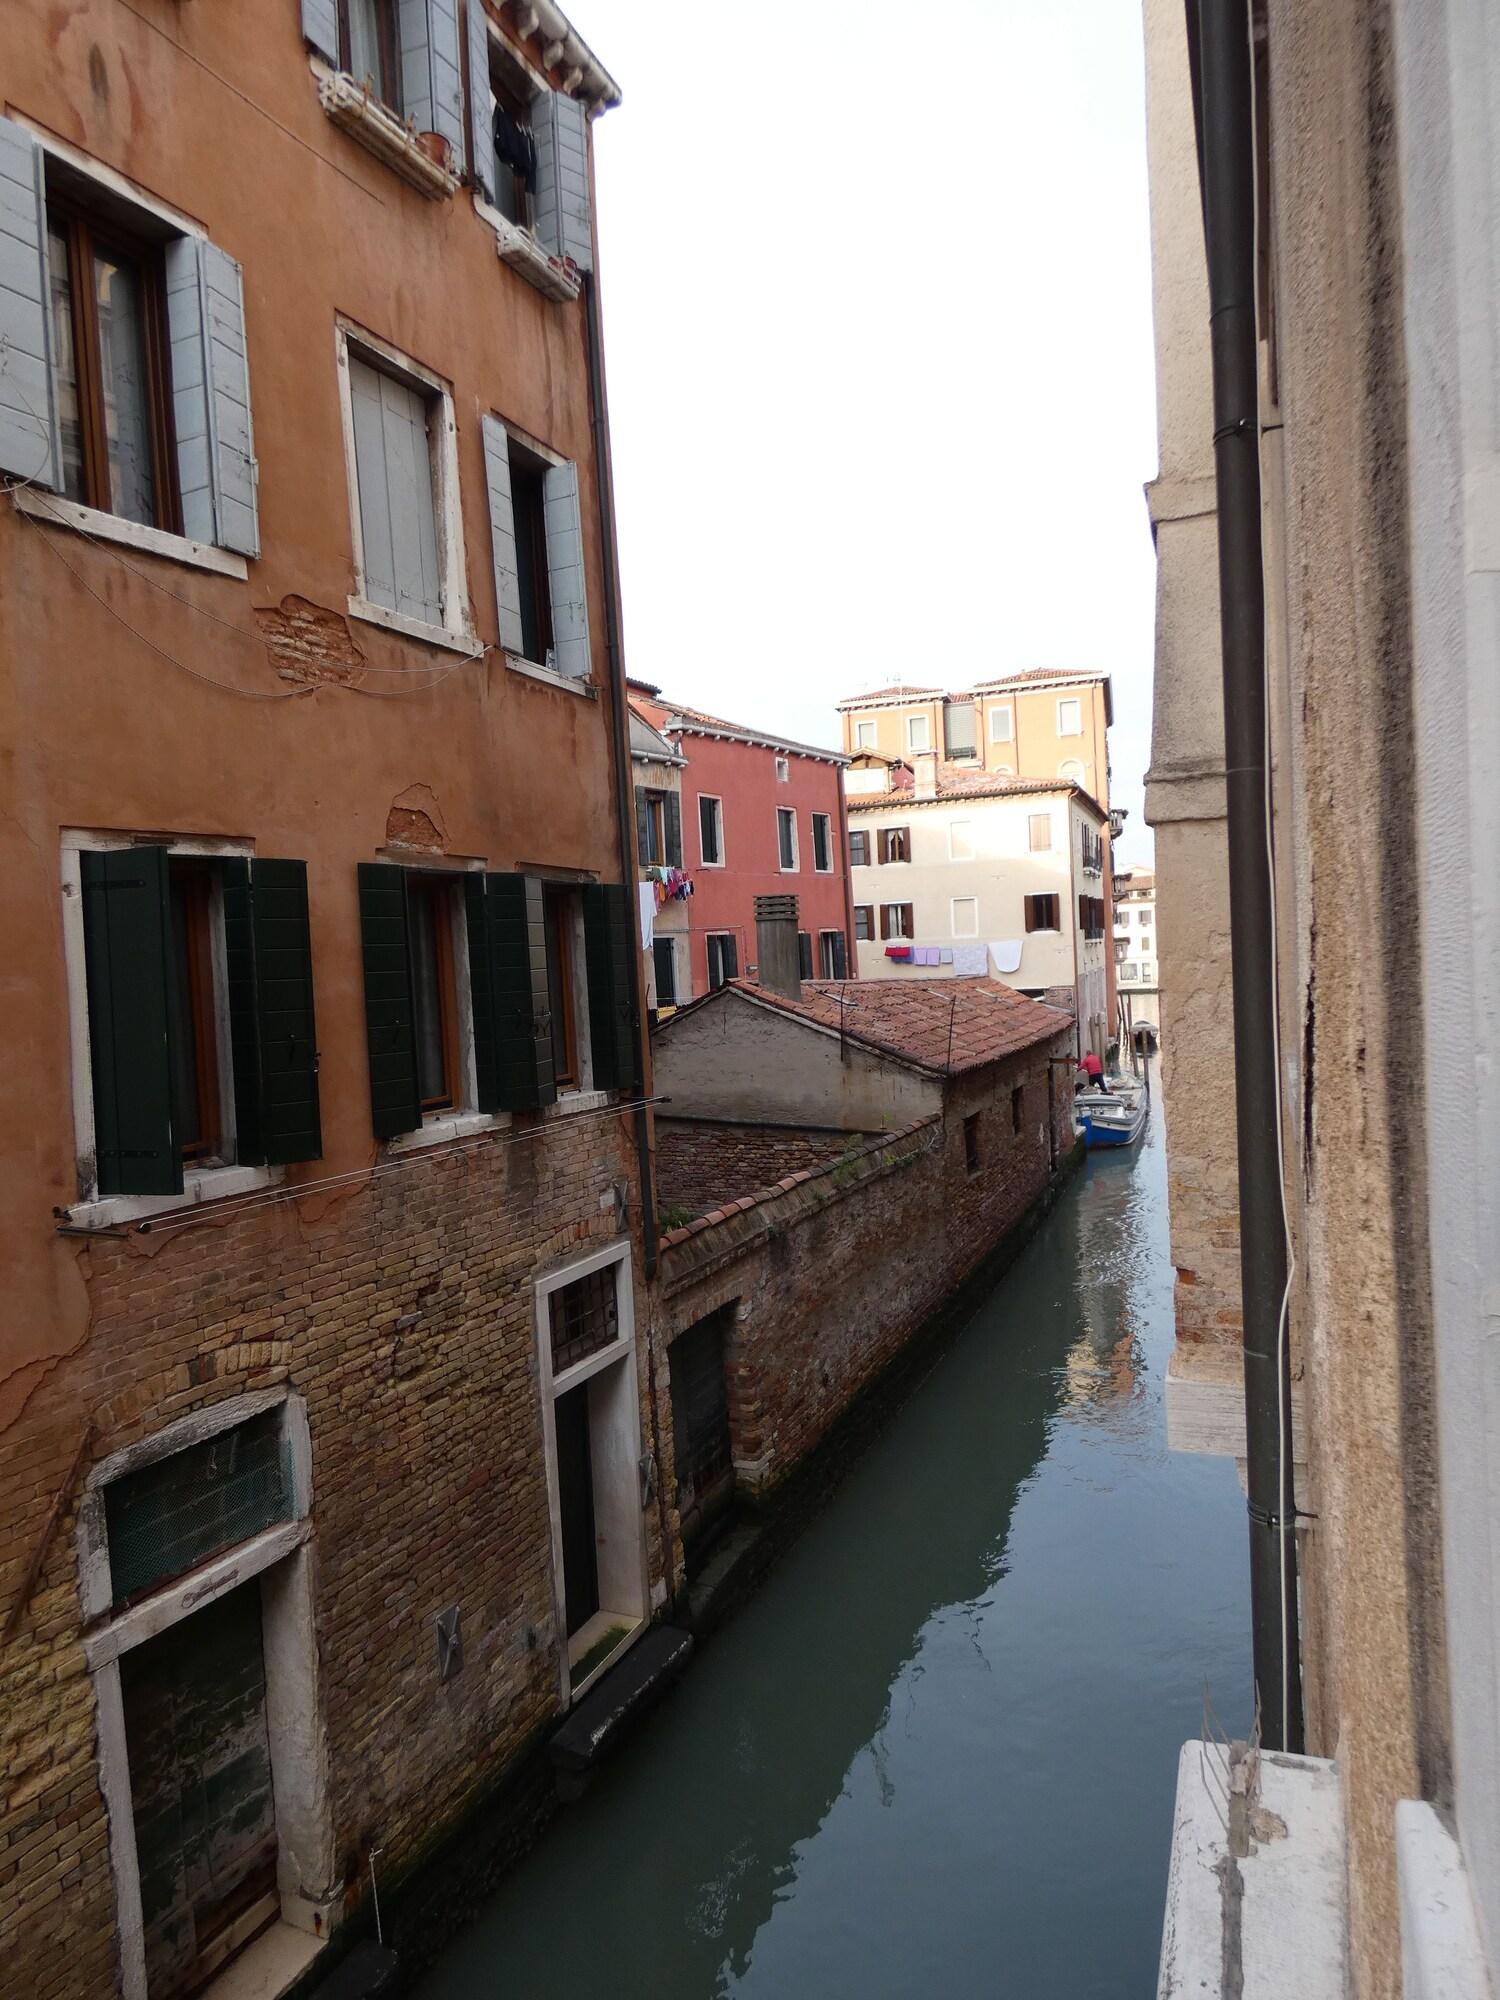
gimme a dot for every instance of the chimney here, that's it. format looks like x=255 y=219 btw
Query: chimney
x=924 y=765
x=776 y=945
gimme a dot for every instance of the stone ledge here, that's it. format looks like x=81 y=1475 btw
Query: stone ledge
x=1442 y=1957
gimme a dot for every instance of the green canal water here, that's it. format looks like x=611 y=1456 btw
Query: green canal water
x=936 y=1754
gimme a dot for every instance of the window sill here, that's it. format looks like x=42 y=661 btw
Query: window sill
x=568 y=1103
x=44 y=506
x=269 y=1967
x=199 y=1185
x=569 y=683
x=517 y=247
x=443 y=1129
x=354 y=111
x=415 y=628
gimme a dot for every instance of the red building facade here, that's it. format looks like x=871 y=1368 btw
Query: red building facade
x=761 y=816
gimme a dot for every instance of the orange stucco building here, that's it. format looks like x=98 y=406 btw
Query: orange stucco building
x=320 y=1185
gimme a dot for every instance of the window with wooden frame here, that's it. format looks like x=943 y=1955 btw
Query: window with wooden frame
x=1042 y=913
x=515 y=147
x=859 y=848
x=864 y=922
x=654 y=829
x=723 y=958
x=110 y=366
x=197 y=1080
x=822 y=836
x=832 y=956
x=561 y=907
x=711 y=831
x=896 y=920
x=431 y=916
x=1039 y=832
x=971 y=1143
x=894 y=843
x=528 y=477
x=786 y=839
x=370 y=48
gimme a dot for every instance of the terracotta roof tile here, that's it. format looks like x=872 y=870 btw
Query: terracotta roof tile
x=955 y=781
x=940 y=1024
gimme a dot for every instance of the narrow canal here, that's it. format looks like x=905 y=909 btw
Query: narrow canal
x=936 y=1754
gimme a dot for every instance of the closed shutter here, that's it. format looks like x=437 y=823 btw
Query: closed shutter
x=642 y=826
x=393 y=470
x=266 y=907
x=390 y=1013
x=672 y=806
x=28 y=413
x=559 y=126
x=481 y=995
x=519 y=1004
x=481 y=103
x=503 y=531
x=570 y=611
x=839 y=954
x=609 y=948
x=804 y=954
x=320 y=28
x=432 y=95
x=216 y=468
x=127 y=952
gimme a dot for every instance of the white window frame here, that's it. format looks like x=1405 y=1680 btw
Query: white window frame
x=708 y=938
x=866 y=733
x=913 y=722
x=199 y=1183
x=626 y=1517
x=307 y=1882
x=1071 y=765
x=456 y=633
x=827 y=866
x=966 y=828
x=1073 y=701
x=783 y=770
x=713 y=799
x=1002 y=712
x=1048 y=846
x=973 y=903
x=786 y=815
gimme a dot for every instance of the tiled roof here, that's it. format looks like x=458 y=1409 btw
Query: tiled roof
x=957 y=781
x=1069 y=676
x=665 y=715
x=901 y=693
x=939 y=1024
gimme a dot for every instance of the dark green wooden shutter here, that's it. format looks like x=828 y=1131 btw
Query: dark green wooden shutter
x=390 y=1014
x=291 y=1128
x=804 y=955
x=244 y=1012
x=672 y=805
x=524 y=1075
x=609 y=944
x=127 y=923
x=481 y=995
x=642 y=826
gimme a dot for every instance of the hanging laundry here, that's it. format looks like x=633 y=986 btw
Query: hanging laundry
x=648 y=914
x=898 y=951
x=945 y=957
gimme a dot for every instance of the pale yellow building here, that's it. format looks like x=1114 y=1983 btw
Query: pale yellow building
x=957 y=871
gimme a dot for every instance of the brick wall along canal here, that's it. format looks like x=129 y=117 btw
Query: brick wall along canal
x=936 y=1754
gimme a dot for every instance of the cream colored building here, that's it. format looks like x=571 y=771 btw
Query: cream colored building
x=1378 y=241
x=973 y=873
x=1135 y=948
x=656 y=770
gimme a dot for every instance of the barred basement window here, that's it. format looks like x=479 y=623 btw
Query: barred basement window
x=178 y=1511
x=584 y=1318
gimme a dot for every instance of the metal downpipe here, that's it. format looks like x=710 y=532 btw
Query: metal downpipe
x=1228 y=154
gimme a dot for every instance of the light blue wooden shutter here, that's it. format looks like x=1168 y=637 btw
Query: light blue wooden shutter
x=393 y=471
x=432 y=91
x=216 y=467
x=570 y=610
x=320 y=27
x=559 y=126
x=503 y=533
x=28 y=413
x=481 y=104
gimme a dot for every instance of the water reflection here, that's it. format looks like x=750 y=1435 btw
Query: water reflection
x=936 y=1753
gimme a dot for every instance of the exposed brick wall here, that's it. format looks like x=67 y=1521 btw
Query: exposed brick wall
x=701 y=1164
x=835 y=1271
x=402 y=1311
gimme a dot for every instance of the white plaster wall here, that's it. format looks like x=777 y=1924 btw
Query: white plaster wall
x=1448 y=93
x=733 y=1058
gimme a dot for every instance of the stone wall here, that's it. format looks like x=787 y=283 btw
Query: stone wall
x=400 y=1308
x=833 y=1272
x=701 y=1164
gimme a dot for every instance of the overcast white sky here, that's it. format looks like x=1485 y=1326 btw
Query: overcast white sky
x=876 y=284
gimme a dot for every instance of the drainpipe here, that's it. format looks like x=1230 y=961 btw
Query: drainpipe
x=619 y=714
x=1228 y=157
